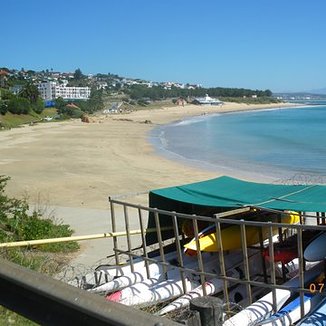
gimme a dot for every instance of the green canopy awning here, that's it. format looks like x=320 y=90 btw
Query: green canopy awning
x=233 y=193
x=226 y=193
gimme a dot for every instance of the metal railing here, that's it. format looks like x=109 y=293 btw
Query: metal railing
x=50 y=302
x=271 y=278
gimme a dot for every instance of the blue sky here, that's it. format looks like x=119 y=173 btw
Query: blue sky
x=264 y=44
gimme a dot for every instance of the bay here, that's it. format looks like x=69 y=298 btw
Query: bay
x=277 y=142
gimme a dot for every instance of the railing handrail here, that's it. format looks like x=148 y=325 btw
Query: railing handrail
x=51 y=302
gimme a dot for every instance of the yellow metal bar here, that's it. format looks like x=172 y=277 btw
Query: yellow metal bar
x=74 y=238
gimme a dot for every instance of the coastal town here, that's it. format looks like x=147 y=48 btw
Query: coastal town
x=77 y=86
x=163 y=163
x=146 y=223
x=33 y=96
x=48 y=80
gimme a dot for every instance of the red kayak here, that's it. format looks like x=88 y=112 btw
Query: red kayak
x=282 y=255
x=287 y=250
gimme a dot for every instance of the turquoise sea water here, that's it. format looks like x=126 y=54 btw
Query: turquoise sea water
x=277 y=142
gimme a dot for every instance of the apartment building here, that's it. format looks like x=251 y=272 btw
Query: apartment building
x=51 y=90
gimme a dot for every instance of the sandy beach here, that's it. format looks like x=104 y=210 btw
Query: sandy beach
x=79 y=164
x=74 y=166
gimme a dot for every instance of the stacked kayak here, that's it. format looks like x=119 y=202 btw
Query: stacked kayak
x=262 y=309
x=231 y=236
x=289 y=305
x=317 y=316
x=136 y=288
x=142 y=284
x=291 y=312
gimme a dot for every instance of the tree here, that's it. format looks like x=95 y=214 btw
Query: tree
x=3 y=107
x=60 y=105
x=78 y=74
x=38 y=107
x=94 y=103
x=19 y=105
x=30 y=92
x=6 y=95
x=268 y=93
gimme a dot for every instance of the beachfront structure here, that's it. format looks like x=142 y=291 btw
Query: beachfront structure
x=207 y=100
x=51 y=90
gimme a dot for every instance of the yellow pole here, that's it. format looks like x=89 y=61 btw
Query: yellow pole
x=74 y=238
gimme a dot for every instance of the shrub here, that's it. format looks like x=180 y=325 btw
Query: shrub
x=17 y=225
x=142 y=102
x=19 y=105
x=3 y=107
x=38 y=106
x=75 y=113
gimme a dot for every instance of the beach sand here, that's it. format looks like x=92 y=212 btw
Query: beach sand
x=79 y=164
x=74 y=166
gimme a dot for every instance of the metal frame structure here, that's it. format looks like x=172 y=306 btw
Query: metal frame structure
x=48 y=301
x=270 y=282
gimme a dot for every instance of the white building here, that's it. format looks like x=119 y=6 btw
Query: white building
x=207 y=100
x=52 y=90
x=101 y=85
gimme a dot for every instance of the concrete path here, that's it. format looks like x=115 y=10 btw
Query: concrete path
x=85 y=221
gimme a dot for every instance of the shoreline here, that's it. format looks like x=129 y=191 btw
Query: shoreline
x=242 y=171
x=178 y=113
x=76 y=164
x=70 y=168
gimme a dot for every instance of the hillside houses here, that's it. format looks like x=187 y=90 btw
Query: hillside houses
x=52 y=84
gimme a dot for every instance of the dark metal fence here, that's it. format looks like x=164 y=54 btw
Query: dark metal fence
x=50 y=302
x=270 y=279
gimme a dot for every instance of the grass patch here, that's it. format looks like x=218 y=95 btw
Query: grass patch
x=8 y=317
x=249 y=100
x=48 y=112
x=34 y=228
x=16 y=224
x=10 y=120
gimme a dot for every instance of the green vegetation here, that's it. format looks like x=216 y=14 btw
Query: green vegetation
x=158 y=92
x=78 y=108
x=78 y=74
x=250 y=100
x=10 y=120
x=79 y=80
x=19 y=105
x=94 y=103
x=107 y=90
x=30 y=92
x=26 y=102
x=17 y=224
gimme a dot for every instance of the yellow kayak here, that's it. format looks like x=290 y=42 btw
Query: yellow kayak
x=231 y=236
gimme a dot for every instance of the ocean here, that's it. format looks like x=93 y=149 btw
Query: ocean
x=274 y=143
